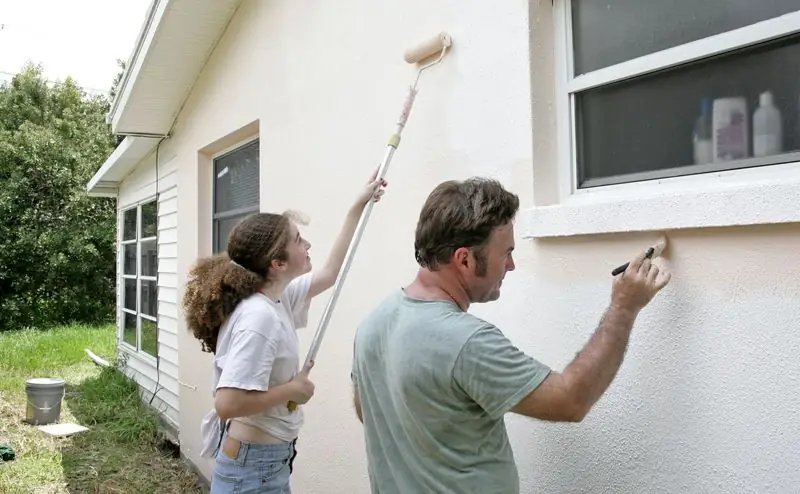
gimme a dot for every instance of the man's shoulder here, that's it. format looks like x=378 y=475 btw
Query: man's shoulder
x=439 y=320
x=398 y=303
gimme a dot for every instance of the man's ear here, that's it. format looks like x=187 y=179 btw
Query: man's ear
x=461 y=257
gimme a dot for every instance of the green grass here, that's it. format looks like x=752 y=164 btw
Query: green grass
x=122 y=450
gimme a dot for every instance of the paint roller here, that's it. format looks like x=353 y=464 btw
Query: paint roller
x=656 y=250
x=437 y=45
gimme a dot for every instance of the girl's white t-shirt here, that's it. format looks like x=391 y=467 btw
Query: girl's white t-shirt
x=258 y=348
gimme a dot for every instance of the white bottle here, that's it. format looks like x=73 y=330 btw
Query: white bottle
x=767 y=127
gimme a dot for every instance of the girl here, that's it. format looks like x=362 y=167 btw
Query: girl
x=244 y=306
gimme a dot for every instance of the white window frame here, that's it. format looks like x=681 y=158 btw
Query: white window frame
x=139 y=277
x=740 y=196
x=217 y=216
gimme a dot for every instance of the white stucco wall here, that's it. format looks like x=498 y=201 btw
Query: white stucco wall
x=706 y=400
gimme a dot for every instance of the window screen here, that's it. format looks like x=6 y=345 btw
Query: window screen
x=236 y=190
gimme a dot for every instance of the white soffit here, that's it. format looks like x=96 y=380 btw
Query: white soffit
x=177 y=39
x=122 y=161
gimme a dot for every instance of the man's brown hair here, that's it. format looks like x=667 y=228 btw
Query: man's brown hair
x=462 y=213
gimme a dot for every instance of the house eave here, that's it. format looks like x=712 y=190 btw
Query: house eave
x=132 y=150
x=176 y=40
x=133 y=59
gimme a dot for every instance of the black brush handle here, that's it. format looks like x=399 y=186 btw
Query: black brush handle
x=621 y=269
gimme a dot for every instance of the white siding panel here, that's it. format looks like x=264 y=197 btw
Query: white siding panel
x=168 y=187
x=167 y=181
x=167 y=206
x=168 y=325
x=168 y=165
x=144 y=373
x=167 y=265
x=170 y=310
x=168 y=236
x=168 y=340
x=168 y=280
x=167 y=220
x=168 y=295
x=169 y=356
x=141 y=365
x=139 y=185
x=169 y=251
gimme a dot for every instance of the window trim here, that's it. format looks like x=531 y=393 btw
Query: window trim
x=122 y=310
x=580 y=211
x=235 y=212
x=716 y=44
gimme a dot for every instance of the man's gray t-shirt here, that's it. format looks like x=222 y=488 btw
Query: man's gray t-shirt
x=435 y=383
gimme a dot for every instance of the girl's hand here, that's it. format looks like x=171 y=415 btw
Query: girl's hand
x=302 y=387
x=373 y=191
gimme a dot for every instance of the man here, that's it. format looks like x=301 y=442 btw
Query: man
x=432 y=382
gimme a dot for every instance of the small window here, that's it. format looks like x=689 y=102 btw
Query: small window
x=236 y=190
x=139 y=253
x=674 y=91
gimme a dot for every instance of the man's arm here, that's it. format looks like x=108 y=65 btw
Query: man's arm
x=357 y=403
x=569 y=396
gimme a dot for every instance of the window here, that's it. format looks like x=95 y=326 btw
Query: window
x=653 y=90
x=139 y=325
x=236 y=190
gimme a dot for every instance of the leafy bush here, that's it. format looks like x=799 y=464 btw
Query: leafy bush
x=57 y=244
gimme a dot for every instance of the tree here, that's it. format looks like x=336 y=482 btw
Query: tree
x=57 y=244
x=117 y=79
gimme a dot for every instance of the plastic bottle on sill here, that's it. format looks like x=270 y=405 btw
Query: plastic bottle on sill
x=731 y=133
x=702 y=136
x=767 y=127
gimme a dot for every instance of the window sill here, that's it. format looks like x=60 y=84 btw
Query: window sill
x=143 y=357
x=773 y=201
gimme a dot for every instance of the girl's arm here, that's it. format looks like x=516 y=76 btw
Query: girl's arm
x=242 y=388
x=235 y=402
x=325 y=277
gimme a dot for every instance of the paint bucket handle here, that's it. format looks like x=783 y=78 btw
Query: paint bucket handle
x=47 y=409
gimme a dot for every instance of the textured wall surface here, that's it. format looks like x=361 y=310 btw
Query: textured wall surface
x=707 y=398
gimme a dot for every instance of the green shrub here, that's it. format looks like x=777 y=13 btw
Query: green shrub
x=57 y=244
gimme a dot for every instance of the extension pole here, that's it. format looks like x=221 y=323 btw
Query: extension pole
x=438 y=44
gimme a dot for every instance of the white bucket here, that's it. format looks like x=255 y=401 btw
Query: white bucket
x=44 y=400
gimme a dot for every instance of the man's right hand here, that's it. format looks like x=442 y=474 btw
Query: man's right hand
x=638 y=284
x=302 y=389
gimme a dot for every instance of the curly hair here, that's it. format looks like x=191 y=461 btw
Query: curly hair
x=461 y=213
x=217 y=284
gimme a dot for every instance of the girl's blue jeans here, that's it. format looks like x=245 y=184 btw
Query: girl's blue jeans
x=243 y=467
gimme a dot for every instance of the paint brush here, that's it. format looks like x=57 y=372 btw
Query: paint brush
x=655 y=250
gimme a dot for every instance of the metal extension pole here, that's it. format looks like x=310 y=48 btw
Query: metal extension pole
x=394 y=142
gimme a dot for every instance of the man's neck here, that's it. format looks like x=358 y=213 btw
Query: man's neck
x=438 y=285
